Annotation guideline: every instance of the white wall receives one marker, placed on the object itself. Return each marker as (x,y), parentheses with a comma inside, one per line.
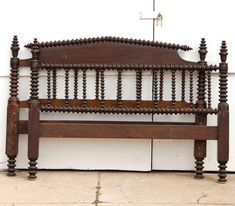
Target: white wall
(184,22)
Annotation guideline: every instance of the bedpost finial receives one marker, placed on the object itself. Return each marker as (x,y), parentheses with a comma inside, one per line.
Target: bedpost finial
(202,50)
(35,41)
(35,44)
(35,49)
(15,46)
(223,52)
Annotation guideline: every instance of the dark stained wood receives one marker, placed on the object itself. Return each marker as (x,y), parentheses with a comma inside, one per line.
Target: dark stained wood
(54,83)
(75,83)
(102,88)
(223,116)
(155,89)
(116,130)
(108,103)
(49,86)
(119,89)
(161,84)
(173,88)
(97,83)
(183,76)
(24,62)
(23,124)
(191,88)
(111,39)
(138,86)
(110,53)
(23,127)
(200,119)
(34,113)
(84,87)
(66,96)
(12,133)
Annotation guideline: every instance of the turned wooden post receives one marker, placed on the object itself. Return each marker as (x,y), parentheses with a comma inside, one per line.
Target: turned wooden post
(223,115)
(13,109)
(200,119)
(34,112)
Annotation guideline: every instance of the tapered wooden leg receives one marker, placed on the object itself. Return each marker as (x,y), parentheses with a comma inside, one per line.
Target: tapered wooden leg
(223,141)
(33,138)
(200,147)
(199,154)
(12,136)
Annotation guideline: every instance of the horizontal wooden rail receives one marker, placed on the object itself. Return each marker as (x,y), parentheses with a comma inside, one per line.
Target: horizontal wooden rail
(131,130)
(197,67)
(108,103)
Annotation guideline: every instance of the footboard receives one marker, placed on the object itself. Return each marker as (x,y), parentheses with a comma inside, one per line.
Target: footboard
(190,93)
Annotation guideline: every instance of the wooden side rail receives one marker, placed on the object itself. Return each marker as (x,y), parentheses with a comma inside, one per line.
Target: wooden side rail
(129,130)
(190,93)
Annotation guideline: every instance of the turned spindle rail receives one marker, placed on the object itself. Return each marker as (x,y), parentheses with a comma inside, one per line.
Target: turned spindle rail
(76,58)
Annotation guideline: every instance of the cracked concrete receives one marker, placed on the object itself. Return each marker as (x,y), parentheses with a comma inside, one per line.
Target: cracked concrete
(74,188)
(202,196)
(96,202)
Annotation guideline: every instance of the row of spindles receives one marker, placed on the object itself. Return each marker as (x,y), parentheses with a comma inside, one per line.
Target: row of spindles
(158,86)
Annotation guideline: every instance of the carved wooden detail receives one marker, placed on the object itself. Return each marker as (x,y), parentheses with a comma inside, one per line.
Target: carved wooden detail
(191,88)
(54,82)
(111,39)
(34,70)
(173,88)
(102,88)
(161,81)
(77,58)
(223,115)
(49,85)
(75,83)
(183,85)
(138,87)
(66,86)
(84,86)
(223,73)
(119,88)
(155,89)
(14,68)
(201,119)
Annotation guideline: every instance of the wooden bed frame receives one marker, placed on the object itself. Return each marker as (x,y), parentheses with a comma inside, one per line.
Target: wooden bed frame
(118,54)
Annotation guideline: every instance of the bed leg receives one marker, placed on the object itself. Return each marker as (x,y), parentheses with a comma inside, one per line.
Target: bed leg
(222,172)
(223,115)
(11,166)
(33,138)
(223,141)
(199,154)
(13,109)
(12,136)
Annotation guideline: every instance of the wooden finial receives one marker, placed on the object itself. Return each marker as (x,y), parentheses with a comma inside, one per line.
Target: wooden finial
(202,50)
(15,46)
(14,68)
(35,49)
(34,70)
(223,73)
(223,52)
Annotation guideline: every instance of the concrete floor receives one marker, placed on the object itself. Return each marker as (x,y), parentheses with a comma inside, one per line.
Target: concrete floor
(115,189)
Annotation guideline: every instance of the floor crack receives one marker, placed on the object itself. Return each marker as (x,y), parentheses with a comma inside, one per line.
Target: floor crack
(97,193)
(202,196)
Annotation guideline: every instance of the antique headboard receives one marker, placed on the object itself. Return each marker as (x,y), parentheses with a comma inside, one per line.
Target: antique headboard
(78,56)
